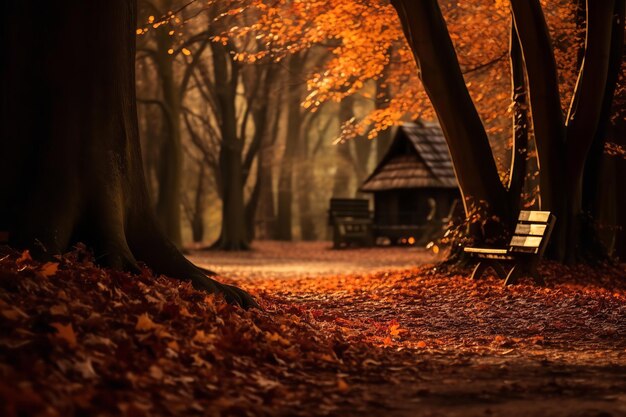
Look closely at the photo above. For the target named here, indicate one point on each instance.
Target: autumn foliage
(80, 340)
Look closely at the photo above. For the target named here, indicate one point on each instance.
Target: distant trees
(318, 50)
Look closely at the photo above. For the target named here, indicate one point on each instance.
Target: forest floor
(371, 332)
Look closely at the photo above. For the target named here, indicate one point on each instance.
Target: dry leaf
(65, 332)
(342, 385)
(49, 269)
(145, 323)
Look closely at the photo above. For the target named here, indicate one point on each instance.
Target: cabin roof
(417, 158)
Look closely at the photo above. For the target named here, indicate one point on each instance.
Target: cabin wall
(411, 207)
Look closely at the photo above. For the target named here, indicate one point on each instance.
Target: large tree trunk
(71, 168)
(584, 118)
(439, 70)
(598, 181)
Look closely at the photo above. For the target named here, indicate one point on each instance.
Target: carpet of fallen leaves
(77, 340)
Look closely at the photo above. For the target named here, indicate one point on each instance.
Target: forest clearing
(405, 342)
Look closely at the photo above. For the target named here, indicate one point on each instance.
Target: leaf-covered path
(355, 332)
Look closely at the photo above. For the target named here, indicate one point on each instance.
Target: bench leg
(479, 269)
(513, 275)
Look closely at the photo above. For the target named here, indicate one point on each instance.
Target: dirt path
(309, 259)
(451, 347)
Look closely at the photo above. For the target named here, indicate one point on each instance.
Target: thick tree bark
(71, 168)
(439, 70)
(599, 180)
(543, 88)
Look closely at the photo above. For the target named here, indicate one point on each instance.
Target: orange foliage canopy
(365, 43)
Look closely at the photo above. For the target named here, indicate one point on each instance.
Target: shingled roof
(417, 158)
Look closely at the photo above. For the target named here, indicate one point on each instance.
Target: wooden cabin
(414, 186)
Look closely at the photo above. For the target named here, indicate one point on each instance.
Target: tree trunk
(519, 154)
(266, 209)
(344, 163)
(170, 154)
(304, 185)
(598, 180)
(292, 136)
(233, 235)
(383, 140)
(197, 218)
(71, 161)
(439, 70)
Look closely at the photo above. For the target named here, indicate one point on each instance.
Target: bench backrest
(532, 232)
(349, 207)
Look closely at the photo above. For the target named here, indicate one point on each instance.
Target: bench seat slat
(526, 241)
(495, 251)
(531, 229)
(534, 216)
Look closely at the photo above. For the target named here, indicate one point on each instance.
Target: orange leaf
(49, 269)
(25, 257)
(65, 332)
(145, 323)
(342, 385)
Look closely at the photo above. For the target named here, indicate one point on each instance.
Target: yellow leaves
(186, 51)
(170, 51)
(65, 332)
(139, 31)
(151, 19)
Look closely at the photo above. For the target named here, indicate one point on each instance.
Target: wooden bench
(525, 250)
(351, 220)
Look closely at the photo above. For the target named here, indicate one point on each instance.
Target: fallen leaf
(342, 385)
(58, 310)
(65, 332)
(49, 269)
(145, 323)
